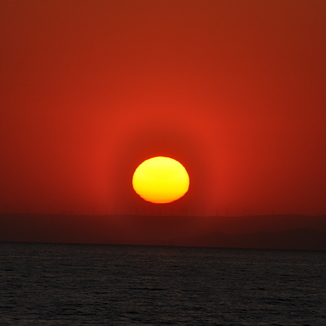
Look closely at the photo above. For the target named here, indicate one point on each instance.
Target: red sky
(235, 90)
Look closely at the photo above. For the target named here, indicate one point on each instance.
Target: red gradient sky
(235, 90)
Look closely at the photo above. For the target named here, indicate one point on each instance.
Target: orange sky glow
(234, 90)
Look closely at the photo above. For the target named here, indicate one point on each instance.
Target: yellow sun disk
(160, 180)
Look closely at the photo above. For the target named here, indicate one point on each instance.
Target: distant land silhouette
(294, 232)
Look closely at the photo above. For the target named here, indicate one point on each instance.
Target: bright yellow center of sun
(160, 180)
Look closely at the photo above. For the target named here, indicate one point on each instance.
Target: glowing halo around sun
(160, 180)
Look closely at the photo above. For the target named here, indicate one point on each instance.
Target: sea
(84, 284)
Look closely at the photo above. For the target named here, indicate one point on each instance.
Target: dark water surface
(56, 284)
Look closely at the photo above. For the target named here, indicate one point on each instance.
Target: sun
(160, 180)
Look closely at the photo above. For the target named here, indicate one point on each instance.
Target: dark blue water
(53, 284)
